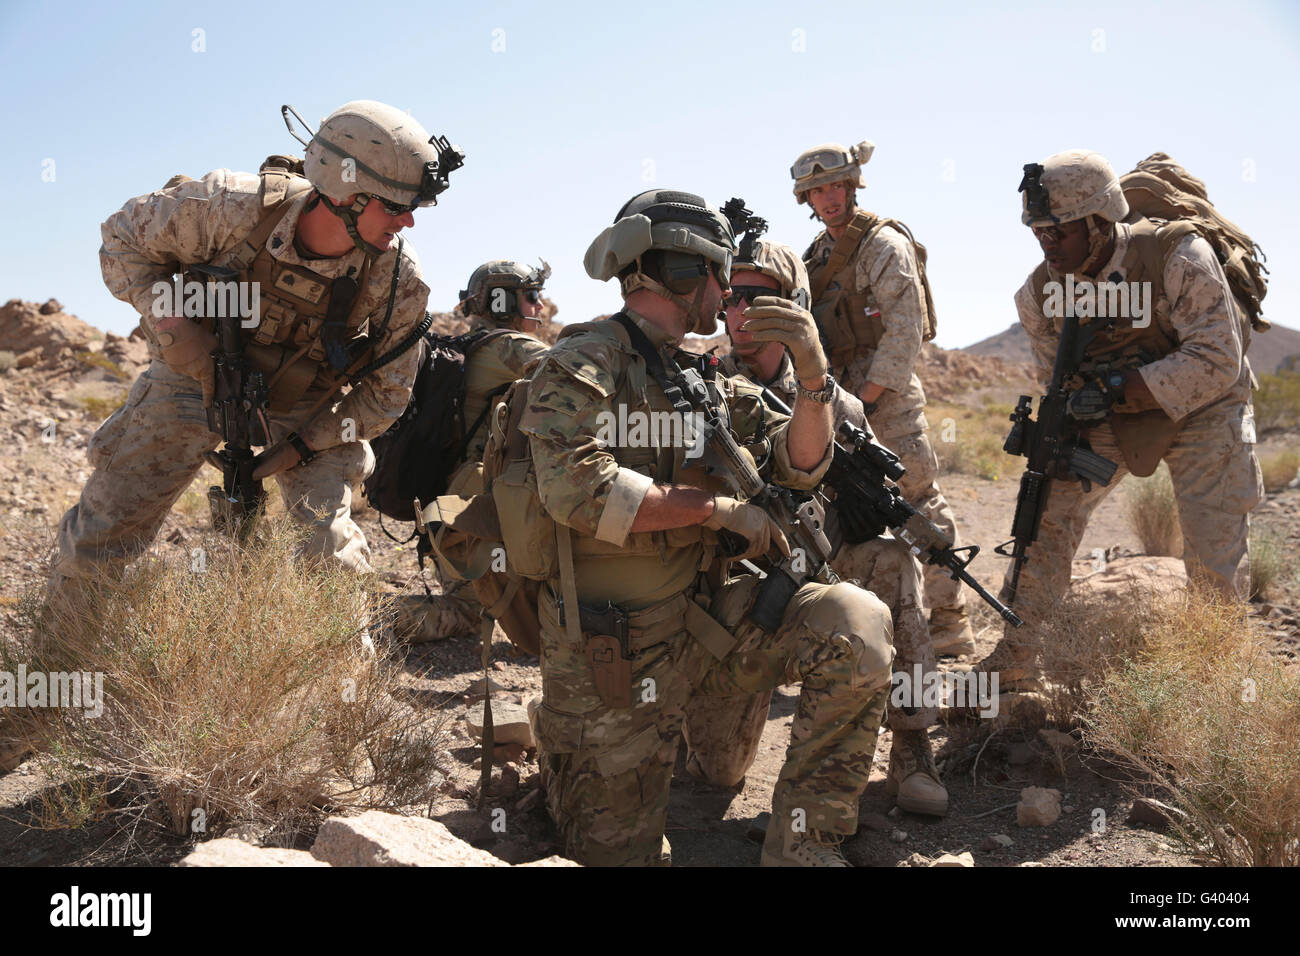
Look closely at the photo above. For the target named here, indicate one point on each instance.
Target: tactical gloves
(1091, 403)
(773, 319)
(187, 349)
(750, 522)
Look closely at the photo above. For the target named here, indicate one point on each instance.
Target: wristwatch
(304, 450)
(823, 396)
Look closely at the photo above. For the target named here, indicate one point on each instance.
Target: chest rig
(849, 320)
(309, 328)
(1117, 341)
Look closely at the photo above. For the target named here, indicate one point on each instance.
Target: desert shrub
(1153, 513)
(101, 408)
(239, 686)
(968, 441)
(1280, 469)
(7, 361)
(1204, 712)
(102, 361)
(1269, 562)
(1277, 403)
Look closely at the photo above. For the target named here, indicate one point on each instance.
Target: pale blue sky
(589, 103)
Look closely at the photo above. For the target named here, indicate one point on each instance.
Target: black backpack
(415, 458)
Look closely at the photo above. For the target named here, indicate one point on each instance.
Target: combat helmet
(830, 163)
(1068, 186)
(664, 240)
(1076, 184)
(494, 288)
(370, 149)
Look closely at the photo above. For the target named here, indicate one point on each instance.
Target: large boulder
(229, 851)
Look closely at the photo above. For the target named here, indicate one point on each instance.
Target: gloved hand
(750, 522)
(187, 349)
(1091, 403)
(773, 319)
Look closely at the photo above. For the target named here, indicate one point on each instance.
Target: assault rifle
(800, 516)
(1054, 449)
(866, 504)
(238, 414)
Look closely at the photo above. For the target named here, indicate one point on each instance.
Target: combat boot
(1014, 660)
(913, 780)
(950, 632)
(784, 847)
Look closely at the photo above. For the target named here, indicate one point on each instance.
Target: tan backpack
(1159, 189)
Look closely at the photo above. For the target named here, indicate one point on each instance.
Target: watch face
(1116, 379)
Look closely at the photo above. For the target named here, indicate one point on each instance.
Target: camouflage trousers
(722, 733)
(607, 770)
(899, 424)
(454, 612)
(150, 449)
(1217, 481)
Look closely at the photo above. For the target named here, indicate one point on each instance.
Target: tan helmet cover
(1079, 183)
(369, 147)
(845, 163)
(500, 274)
(780, 262)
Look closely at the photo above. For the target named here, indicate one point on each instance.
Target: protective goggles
(531, 295)
(827, 159)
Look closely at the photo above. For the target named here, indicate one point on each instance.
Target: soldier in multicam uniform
(873, 316)
(368, 167)
(503, 299)
(722, 733)
(1174, 385)
(638, 529)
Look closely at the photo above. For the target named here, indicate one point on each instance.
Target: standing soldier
(722, 733)
(503, 302)
(642, 611)
(1171, 384)
(873, 309)
(335, 284)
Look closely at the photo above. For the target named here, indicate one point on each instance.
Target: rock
(1139, 578)
(51, 306)
(509, 724)
(509, 753)
(232, 851)
(916, 859)
(997, 841)
(384, 839)
(1038, 807)
(552, 861)
(1154, 813)
(961, 859)
(476, 687)
(898, 836)
(1062, 744)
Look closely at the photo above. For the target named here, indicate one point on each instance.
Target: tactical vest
(1119, 343)
(286, 344)
(1143, 437)
(849, 320)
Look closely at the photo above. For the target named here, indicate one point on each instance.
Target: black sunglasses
(395, 208)
(749, 293)
(532, 295)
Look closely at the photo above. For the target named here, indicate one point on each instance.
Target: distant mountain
(1268, 350)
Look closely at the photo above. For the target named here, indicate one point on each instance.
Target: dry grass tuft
(239, 688)
(1280, 469)
(1203, 711)
(1153, 513)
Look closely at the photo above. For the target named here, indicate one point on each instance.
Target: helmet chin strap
(348, 216)
(1099, 234)
(697, 320)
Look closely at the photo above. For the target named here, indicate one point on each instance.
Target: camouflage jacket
(497, 362)
(886, 270)
(1209, 363)
(594, 478)
(194, 222)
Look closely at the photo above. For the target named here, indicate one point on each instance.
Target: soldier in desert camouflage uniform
(638, 528)
(722, 733)
(503, 298)
(367, 168)
(873, 315)
(1173, 384)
